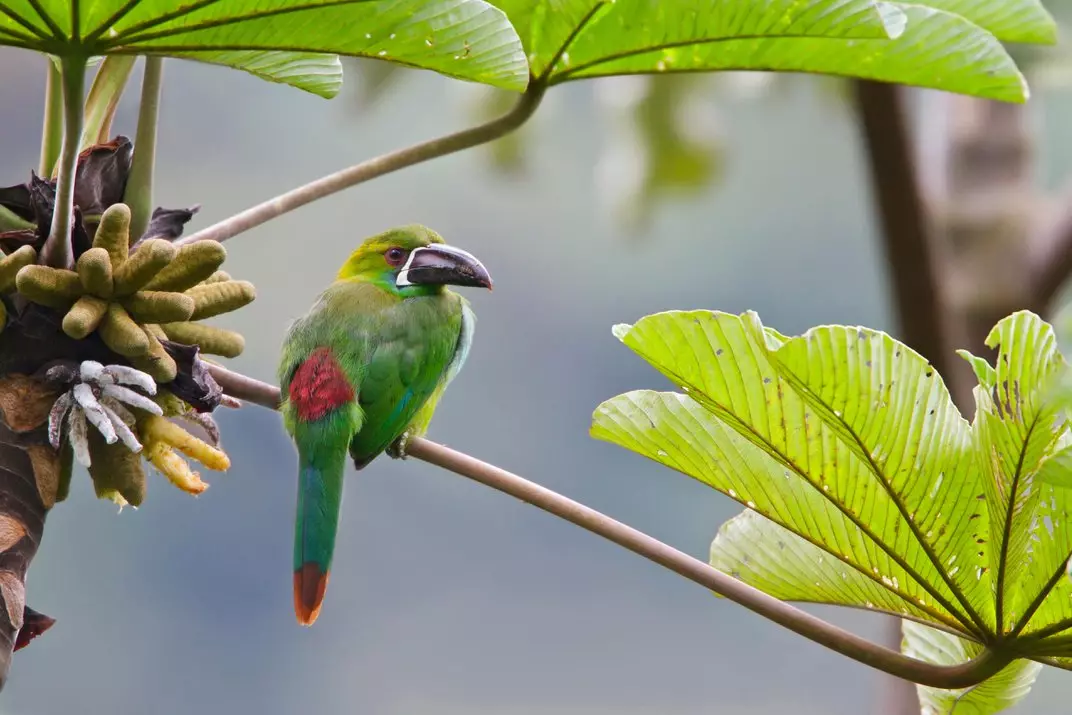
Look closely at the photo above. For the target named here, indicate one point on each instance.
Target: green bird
(362, 373)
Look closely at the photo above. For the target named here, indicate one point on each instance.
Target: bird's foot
(397, 449)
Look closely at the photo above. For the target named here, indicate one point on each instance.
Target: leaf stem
(52, 127)
(139, 192)
(103, 98)
(57, 249)
(841, 641)
(373, 168)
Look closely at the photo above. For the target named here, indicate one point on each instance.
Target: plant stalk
(52, 127)
(373, 168)
(139, 192)
(57, 249)
(103, 99)
(848, 644)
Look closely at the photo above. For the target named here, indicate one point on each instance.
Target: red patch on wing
(319, 386)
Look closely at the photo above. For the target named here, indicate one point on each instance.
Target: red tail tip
(310, 585)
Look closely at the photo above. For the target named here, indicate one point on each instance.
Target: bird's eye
(395, 256)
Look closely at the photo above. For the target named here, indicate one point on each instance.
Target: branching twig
(139, 193)
(796, 620)
(57, 249)
(373, 168)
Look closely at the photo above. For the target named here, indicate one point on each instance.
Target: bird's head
(413, 260)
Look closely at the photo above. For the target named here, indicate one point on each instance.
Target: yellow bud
(152, 306)
(192, 264)
(174, 468)
(122, 334)
(53, 287)
(217, 298)
(212, 340)
(95, 271)
(148, 259)
(156, 429)
(84, 316)
(113, 234)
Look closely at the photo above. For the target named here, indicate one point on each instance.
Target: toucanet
(361, 373)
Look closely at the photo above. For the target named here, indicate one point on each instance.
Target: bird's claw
(398, 448)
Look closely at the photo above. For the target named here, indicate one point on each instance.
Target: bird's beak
(439, 264)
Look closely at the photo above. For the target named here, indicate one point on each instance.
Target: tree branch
(796, 620)
(57, 249)
(373, 168)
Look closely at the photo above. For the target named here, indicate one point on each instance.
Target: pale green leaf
(1017, 426)
(870, 507)
(937, 50)
(993, 695)
(1008, 20)
(759, 552)
(586, 32)
(467, 39)
(319, 74)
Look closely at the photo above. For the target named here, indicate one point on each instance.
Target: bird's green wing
(410, 351)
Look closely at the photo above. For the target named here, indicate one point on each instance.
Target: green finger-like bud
(84, 316)
(12, 263)
(218, 298)
(192, 264)
(218, 277)
(152, 306)
(212, 340)
(151, 257)
(157, 362)
(122, 334)
(95, 271)
(113, 233)
(54, 287)
(115, 469)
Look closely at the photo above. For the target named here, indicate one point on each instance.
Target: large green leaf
(993, 695)
(822, 434)
(937, 50)
(864, 485)
(583, 32)
(467, 39)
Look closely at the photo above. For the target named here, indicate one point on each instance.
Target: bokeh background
(448, 598)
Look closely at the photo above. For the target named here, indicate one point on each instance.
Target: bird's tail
(320, 477)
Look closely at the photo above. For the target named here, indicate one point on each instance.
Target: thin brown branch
(796, 620)
(373, 168)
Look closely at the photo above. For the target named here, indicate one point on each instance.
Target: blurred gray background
(448, 598)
